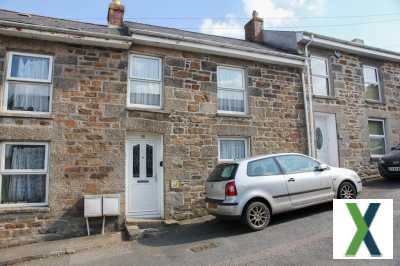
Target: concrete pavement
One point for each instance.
(303, 237)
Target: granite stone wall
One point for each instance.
(90, 123)
(352, 109)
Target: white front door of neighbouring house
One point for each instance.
(326, 138)
(144, 178)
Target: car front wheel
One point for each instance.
(257, 216)
(347, 191)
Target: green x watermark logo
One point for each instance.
(362, 229)
(363, 233)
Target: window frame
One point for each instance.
(281, 172)
(327, 77)
(133, 78)
(378, 80)
(44, 171)
(9, 78)
(244, 90)
(246, 147)
(378, 136)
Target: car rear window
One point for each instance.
(223, 172)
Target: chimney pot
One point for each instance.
(255, 14)
(115, 14)
(254, 28)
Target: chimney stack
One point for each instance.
(115, 14)
(254, 28)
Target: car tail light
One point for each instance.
(230, 189)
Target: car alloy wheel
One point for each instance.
(258, 216)
(347, 191)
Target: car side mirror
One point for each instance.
(321, 167)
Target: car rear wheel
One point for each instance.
(257, 216)
(347, 191)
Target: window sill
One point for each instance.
(324, 97)
(23, 209)
(25, 115)
(233, 115)
(374, 102)
(151, 110)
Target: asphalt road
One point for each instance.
(302, 237)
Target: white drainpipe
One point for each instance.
(310, 100)
(306, 113)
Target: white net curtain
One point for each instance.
(145, 81)
(232, 149)
(32, 94)
(24, 188)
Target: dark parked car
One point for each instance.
(389, 164)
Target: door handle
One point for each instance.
(292, 180)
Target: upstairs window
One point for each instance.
(28, 83)
(230, 149)
(371, 83)
(231, 90)
(144, 88)
(377, 137)
(23, 173)
(320, 76)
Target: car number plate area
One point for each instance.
(394, 169)
(212, 205)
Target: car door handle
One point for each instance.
(292, 180)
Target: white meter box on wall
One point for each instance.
(111, 205)
(93, 206)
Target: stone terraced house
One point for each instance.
(147, 112)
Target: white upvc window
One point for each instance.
(320, 76)
(28, 86)
(145, 82)
(371, 83)
(231, 90)
(24, 174)
(377, 136)
(230, 149)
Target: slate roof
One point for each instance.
(159, 31)
(57, 23)
(350, 43)
(133, 27)
(200, 37)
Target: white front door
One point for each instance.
(144, 178)
(326, 138)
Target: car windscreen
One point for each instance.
(223, 172)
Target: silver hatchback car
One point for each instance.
(256, 188)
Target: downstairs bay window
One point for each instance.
(23, 174)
